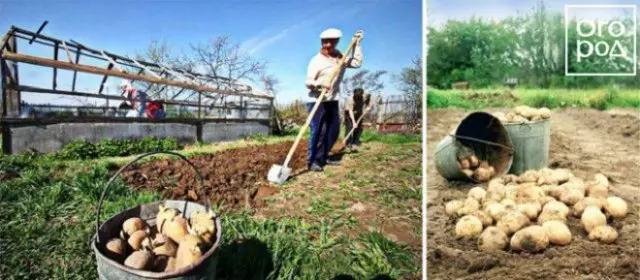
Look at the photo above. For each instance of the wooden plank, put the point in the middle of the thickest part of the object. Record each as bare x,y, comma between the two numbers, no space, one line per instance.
146,69
95,70
112,61
75,72
55,70
39,30
66,49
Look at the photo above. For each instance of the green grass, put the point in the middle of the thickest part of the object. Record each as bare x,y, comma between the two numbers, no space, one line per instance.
370,135
600,99
48,216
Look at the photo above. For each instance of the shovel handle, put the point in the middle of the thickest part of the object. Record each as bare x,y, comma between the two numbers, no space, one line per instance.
317,105
344,141
113,178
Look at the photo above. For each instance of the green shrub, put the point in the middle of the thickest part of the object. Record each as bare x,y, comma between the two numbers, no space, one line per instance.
82,149
79,149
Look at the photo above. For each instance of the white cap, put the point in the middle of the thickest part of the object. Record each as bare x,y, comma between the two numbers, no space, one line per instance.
125,84
331,33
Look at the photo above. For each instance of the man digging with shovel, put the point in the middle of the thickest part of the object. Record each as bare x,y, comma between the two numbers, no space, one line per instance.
325,124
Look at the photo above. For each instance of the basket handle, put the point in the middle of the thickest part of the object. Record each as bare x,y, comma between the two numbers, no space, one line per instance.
106,187
482,141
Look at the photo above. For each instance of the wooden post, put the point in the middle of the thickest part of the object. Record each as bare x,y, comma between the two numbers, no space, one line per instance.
199,105
55,70
75,72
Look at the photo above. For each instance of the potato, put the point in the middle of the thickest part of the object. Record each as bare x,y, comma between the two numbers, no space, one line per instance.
492,171
531,239
165,214
546,199
470,205
544,113
512,221
495,210
482,174
592,218
604,234
598,190
468,172
558,232
139,260
484,164
464,164
202,224
116,249
579,207
169,249
492,239
529,192
189,251
452,208
572,196
529,176
132,225
556,206
546,177
136,238
556,191
176,229
468,226
483,217
521,110
496,183
494,195
519,119
502,117
511,192
616,207
600,179
508,203
474,161
171,265
509,178
510,117
551,215
575,184
477,193
530,209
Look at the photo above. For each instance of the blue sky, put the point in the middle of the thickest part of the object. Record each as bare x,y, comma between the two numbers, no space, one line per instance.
284,33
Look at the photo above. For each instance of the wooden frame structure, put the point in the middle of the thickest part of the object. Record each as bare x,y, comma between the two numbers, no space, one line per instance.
67,55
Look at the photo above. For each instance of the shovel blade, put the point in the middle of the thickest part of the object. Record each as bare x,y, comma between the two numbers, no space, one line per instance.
278,174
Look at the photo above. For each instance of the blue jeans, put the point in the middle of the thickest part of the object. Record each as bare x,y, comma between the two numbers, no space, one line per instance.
325,128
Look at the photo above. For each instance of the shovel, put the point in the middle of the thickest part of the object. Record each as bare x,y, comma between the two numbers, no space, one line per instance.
280,173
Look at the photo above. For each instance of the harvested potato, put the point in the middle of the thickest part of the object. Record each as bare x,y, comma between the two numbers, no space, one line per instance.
139,260
512,221
165,214
556,206
508,203
477,193
176,229
529,192
468,172
558,232
602,180
468,226
494,195
169,249
474,161
136,238
531,239
511,192
598,190
551,215
592,218
530,209
116,249
616,207
500,116
492,171
496,183
572,196
464,164
492,239
189,251
452,208
604,233
529,176
132,225
495,210
546,199
556,191
483,217
545,113
171,265
547,177
470,205
202,224
510,117
579,207
509,178
482,174
484,164
575,184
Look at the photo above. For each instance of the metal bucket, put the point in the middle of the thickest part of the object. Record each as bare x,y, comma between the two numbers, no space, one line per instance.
531,142
485,135
110,269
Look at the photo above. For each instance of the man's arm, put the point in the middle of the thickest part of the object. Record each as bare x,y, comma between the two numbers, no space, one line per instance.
356,60
312,75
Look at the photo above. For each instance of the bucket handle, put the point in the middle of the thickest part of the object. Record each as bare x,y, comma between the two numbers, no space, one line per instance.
482,141
106,187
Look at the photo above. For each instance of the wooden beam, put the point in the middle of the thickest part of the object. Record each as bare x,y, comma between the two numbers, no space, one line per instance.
95,70
146,69
75,72
38,32
113,61
66,49
104,79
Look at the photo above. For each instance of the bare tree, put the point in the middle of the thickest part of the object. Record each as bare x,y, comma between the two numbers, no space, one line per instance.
410,79
365,79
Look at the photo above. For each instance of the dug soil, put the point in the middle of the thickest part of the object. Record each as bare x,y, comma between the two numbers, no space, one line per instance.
585,141
234,178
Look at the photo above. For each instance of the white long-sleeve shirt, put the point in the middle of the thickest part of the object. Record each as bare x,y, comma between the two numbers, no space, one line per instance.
320,69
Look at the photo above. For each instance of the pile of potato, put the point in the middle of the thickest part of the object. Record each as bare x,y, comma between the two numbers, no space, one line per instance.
523,114
174,244
530,211
473,167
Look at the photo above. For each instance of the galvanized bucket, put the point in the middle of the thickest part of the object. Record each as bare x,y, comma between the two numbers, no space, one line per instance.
531,142
110,269
485,135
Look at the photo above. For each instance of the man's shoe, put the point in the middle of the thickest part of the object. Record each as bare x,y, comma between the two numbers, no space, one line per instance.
315,167
333,162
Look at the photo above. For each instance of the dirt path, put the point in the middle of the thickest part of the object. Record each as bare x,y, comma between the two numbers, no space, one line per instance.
586,141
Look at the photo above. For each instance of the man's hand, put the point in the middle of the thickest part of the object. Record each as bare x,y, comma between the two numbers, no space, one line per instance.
355,124
358,36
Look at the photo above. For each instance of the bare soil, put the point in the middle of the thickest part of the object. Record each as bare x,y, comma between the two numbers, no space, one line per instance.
583,140
235,178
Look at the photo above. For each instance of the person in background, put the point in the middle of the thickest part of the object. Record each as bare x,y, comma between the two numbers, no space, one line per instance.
155,110
137,98
353,112
325,124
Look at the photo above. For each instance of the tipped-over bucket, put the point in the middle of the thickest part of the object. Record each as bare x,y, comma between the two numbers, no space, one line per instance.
531,142
482,133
